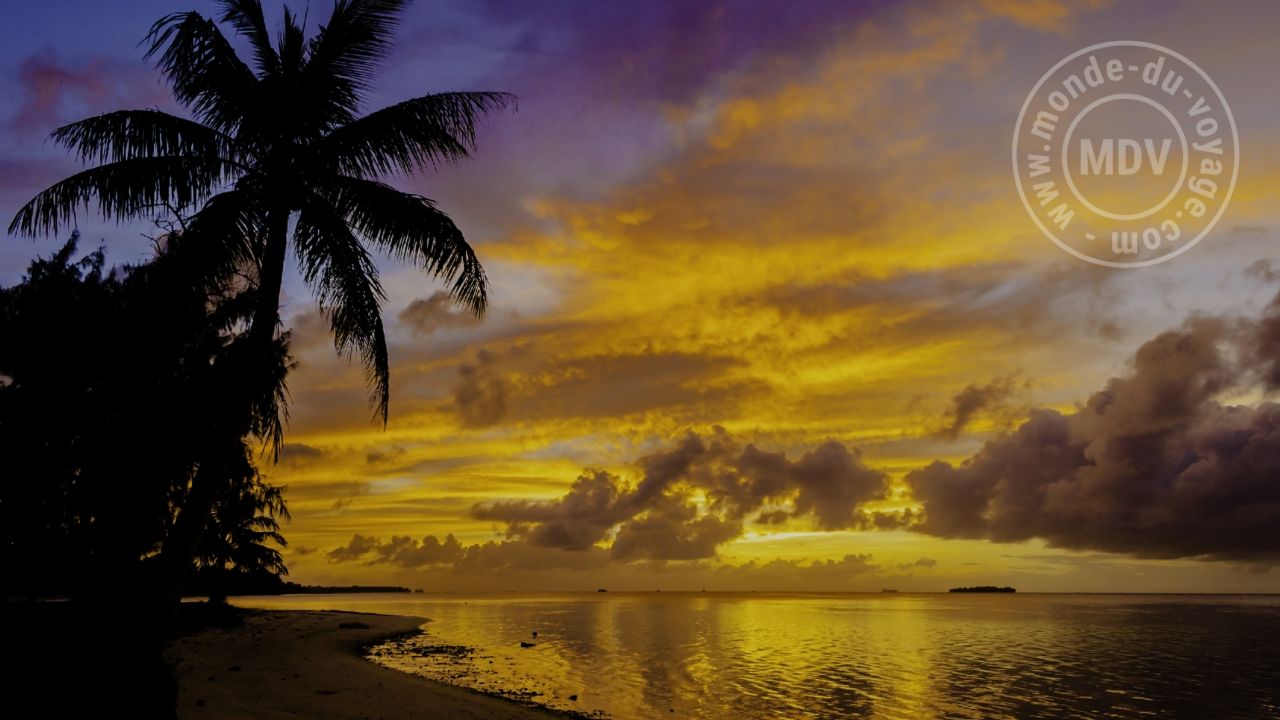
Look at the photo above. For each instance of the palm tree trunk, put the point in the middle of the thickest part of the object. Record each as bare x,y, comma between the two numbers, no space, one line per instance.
179,551
235,421
270,275
219,579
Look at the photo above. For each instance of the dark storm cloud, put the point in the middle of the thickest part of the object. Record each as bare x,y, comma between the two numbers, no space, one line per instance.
580,519
308,330
400,550
833,483
1262,345
1265,270
503,559
973,400
299,453
773,517
430,551
616,385
480,397
792,574
353,550
1155,464
662,517
391,454
424,316
673,529
323,497
408,552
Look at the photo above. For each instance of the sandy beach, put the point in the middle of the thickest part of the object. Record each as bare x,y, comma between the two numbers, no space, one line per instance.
291,664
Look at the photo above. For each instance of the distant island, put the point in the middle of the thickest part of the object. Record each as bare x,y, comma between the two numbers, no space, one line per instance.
296,589
983,589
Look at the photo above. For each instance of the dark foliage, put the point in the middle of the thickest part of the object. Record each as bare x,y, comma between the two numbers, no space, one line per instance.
133,403
106,381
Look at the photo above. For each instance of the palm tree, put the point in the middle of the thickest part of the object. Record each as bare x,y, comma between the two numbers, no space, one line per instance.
242,533
275,143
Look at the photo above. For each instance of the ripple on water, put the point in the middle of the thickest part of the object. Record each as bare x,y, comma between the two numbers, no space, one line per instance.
710,656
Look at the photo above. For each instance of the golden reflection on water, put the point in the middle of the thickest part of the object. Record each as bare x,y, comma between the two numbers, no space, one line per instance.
905,656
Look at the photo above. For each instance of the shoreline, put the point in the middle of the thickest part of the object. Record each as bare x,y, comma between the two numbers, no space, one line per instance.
303,663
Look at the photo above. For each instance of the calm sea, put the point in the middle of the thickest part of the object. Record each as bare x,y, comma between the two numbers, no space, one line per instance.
713,655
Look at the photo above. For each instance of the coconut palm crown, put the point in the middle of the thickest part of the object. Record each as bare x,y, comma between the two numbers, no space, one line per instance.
283,142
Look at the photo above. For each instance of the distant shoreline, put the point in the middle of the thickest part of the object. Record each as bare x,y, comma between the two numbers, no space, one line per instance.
507,593
292,589
253,589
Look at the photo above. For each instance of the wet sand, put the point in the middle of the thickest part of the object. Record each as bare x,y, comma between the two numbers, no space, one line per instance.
303,664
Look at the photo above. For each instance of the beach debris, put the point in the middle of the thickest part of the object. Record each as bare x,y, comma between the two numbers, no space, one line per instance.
353,626
523,693
454,650
525,644
535,633
573,697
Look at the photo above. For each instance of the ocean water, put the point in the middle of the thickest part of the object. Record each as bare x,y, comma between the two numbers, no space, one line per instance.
732,655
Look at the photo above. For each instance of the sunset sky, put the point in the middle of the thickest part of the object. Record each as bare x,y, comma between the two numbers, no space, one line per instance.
758,268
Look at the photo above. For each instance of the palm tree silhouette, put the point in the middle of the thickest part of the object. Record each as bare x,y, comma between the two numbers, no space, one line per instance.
242,531
277,143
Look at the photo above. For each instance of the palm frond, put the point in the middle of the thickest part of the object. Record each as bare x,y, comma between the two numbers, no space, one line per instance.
224,237
411,228
270,499
247,18
406,137
244,527
203,69
346,51
271,397
341,61
345,281
124,189
129,134
261,376
291,43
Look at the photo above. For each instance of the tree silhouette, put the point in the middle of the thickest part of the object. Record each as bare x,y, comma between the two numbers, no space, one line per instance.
242,531
277,142
106,381
102,411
